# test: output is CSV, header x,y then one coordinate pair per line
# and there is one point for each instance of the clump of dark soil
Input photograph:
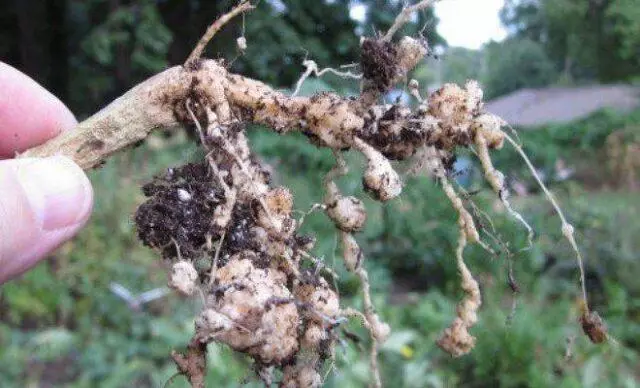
x,y
178,219
179,211
396,135
378,60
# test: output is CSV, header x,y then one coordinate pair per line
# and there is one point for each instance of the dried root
x,y
230,236
488,135
456,339
349,215
405,15
196,54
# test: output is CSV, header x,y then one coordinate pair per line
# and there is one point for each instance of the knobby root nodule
x,y
229,235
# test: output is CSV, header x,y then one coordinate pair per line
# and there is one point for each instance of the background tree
x,y
460,64
110,45
586,40
626,24
515,64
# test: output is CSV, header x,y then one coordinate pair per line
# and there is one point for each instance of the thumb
x,y
43,203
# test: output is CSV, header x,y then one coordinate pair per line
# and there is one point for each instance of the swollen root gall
x,y
594,327
347,213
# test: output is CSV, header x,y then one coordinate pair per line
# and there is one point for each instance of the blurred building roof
x,y
534,107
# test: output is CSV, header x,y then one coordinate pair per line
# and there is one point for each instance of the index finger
x,y
29,114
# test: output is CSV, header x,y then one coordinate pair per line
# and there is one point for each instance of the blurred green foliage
x,y
460,64
515,64
586,40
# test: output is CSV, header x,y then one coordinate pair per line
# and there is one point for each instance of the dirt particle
x,y
193,65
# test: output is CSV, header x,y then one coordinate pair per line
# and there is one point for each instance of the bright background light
x,y
470,23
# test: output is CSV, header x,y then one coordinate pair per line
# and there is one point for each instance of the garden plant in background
x,y
232,238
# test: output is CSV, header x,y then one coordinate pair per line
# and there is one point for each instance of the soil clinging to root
x,y
178,211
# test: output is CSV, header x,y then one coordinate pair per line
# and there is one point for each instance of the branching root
x,y
229,235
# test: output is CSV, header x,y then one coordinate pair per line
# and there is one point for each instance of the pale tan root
x,y
456,339
348,214
405,15
196,54
566,228
493,176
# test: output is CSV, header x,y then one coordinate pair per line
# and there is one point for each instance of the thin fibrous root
x,y
216,257
566,228
340,169
318,263
480,215
374,326
213,29
466,220
312,68
456,339
405,15
593,326
378,330
304,214
496,178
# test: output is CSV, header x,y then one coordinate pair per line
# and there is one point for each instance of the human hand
x,y
43,202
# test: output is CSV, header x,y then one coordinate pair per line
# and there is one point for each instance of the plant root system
x,y
229,235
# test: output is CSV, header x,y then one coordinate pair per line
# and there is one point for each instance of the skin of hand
x,y
43,202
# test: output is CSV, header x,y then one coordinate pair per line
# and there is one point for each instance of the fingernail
x,y
58,191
